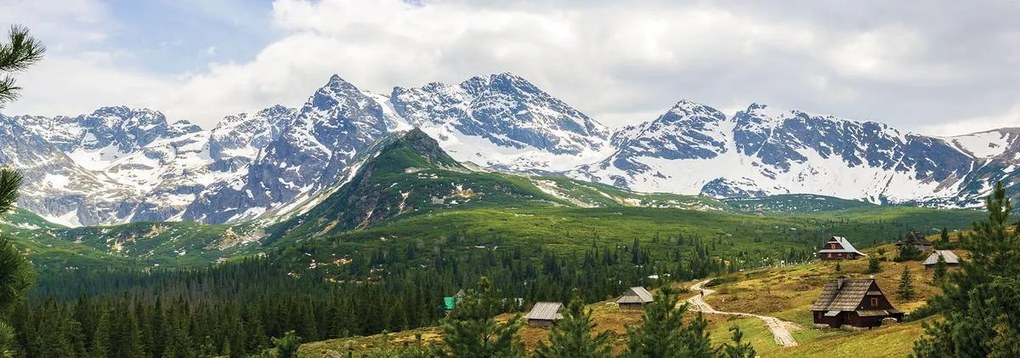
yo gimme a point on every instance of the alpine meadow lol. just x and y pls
(459, 178)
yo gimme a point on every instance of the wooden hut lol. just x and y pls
(951, 259)
(635, 298)
(544, 314)
(917, 240)
(852, 303)
(839, 248)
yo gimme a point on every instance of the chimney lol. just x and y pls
(839, 284)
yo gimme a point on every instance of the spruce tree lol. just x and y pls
(873, 265)
(572, 336)
(906, 289)
(940, 270)
(943, 241)
(287, 346)
(738, 349)
(979, 300)
(663, 332)
(471, 331)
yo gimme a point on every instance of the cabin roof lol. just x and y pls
(636, 295)
(949, 256)
(845, 298)
(842, 241)
(547, 311)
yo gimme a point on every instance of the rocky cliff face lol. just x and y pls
(119, 164)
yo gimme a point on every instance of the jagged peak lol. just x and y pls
(686, 108)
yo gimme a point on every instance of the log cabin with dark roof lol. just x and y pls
(852, 303)
(839, 248)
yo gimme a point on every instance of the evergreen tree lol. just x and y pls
(838, 267)
(20, 51)
(943, 241)
(979, 301)
(907, 252)
(471, 331)
(572, 336)
(737, 349)
(663, 332)
(873, 265)
(7, 340)
(287, 346)
(906, 290)
(940, 270)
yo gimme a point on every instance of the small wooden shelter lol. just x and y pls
(544, 314)
(951, 259)
(839, 248)
(635, 298)
(853, 303)
(917, 240)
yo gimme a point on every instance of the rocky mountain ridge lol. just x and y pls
(119, 164)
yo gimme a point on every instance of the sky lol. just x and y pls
(935, 67)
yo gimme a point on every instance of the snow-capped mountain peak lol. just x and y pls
(119, 164)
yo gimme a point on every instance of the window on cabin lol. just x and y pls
(874, 301)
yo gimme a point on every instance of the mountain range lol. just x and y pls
(120, 164)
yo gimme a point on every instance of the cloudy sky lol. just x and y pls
(939, 67)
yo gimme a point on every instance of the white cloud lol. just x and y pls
(619, 62)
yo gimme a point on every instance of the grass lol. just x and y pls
(788, 293)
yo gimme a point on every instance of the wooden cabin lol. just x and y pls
(635, 298)
(544, 314)
(839, 248)
(951, 259)
(852, 303)
(917, 240)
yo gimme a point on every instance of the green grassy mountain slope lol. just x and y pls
(410, 189)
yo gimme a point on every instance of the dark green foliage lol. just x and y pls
(979, 301)
(737, 349)
(287, 346)
(906, 288)
(10, 181)
(19, 52)
(874, 266)
(663, 332)
(15, 274)
(907, 252)
(15, 271)
(572, 336)
(471, 331)
(7, 340)
(942, 243)
(940, 270)
(720, 280)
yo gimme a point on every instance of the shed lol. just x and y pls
(933, 259)
(635, 298)
(853, 303)
(839, 248)
(544, 314)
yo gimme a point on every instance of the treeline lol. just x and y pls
(234, 309)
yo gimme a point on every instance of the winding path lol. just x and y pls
(780, 328)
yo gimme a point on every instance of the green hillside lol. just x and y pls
(412, 191)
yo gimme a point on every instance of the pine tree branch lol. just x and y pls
(8, 91)
(10, 180)
(22, 50)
